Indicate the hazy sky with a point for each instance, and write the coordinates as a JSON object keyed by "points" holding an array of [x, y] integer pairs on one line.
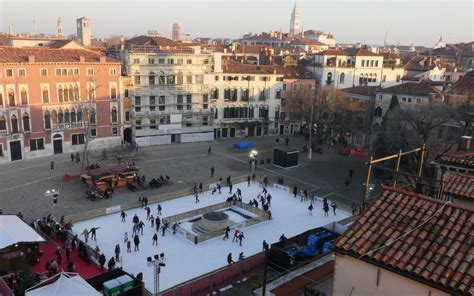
{"points": [[366, 21]]}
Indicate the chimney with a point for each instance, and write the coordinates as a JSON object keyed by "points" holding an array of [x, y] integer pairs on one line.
{"points": [[82, 59], [465, 143], [102, 59], [122, 44], [31, 59], [274, 71]]}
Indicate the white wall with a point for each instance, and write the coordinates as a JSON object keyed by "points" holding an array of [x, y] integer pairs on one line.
{"points": [[197, 137], [155, 140], [355, 277]]}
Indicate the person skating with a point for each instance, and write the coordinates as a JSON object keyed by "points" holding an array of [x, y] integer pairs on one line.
{"points": [[241, 256], [264, 246], [125, 238], [117, 252], [159, 208], [241, 237], [67, 249], [230, 187], [136, 241], [239, 193], [163, 229], [310, 208], [226, 235], [157, 223], [248, 181], [123, 215], [141, 225], [175, 227], [200, 188], [334, 206], [326, 209], [295, 191], [152, 221], [148, 212], [102, 261], [145, 199], [111, 263], [155, 240], [236, 235], [229, 259], [135, 219], [269, 199], [219, 187], [86, 234], [212, 171], [129, 246], [282, 238], [196, 197]]}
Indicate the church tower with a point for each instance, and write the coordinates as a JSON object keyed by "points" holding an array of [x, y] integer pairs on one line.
{"points": [[295, 28], [60, 28], [83, 31]]}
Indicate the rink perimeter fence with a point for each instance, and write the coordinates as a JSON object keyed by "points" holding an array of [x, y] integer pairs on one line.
{"points": [[218, 279]]}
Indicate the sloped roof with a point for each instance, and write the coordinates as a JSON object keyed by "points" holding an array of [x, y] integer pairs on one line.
{"points": [[288, 72], [305, 41], [460, 185], [13, 230], [149, 40], [418, 236], [363, 90], [349, 52], [422, 88], [10, 54], [65, 285], [463, 159], [465, 85]]}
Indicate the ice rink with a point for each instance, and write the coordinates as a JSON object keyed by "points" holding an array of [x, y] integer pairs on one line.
{"points": [[185, 260]]}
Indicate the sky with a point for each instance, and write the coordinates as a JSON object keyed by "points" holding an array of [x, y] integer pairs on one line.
{"points": [[421, 22]]}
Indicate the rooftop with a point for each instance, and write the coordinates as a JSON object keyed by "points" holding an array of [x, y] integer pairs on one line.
{"points": [[418, 236], [422, 88], [463, 159], [363, 90], [465, 85], [287, 72], [460, 186], [349, 52]]}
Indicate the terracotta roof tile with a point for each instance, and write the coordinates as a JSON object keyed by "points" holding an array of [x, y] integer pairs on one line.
{"points": [[463, 159], [418, 245], [460, 186], [422, 88]]}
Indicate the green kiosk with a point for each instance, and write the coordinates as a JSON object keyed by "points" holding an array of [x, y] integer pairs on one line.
{"points": [[285, 157]]}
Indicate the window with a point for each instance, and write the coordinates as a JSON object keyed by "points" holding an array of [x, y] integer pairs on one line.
{"points": [[77, 139], [189, 79], [380, 97], [179, 79], [14, 122], [418, 100], [199, 79], [114, 131], [262, 95], [138, 124], [45, 95], [136, 61], [1, 100], [93, 132], [126, 92], [179, 61], [372, 63], [9, 72], [151, 79], [227, 94], [11, 98], [342, 77], [329, 76], [90, 72], [278, 94], [189, 61], [216, 78], [114, 114], [60, 93], [64, 72], [92, 116], [161, 61], [24, 97], [127, 116], [151, 61], [170, 79], [76, 72], [378, 112], [205, 120], [404, 99], [112, 72], [205, 101], [244, 95], [362, 63], [136, 80], [71, 93], [47, 120], [65, 94], [26, 122], [3, 123], [152, 103], [36, 144], [138, 101], [153, 124], [179, 102], [410, 100], [73, 115], [189, 102], [171, 61], [76, 93], [43, 72], [376, 63], [384, 78], [162, 79], [284, 86], [398, 78]]}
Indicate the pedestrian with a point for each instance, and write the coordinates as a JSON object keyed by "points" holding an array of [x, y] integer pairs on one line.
{"points": [[163, 229], [196, 196], [102, 261], [72, 157], [136, 241], [159, 208], [334, 207], [125, 239], [264, 246], [59, 256], [52, 165], [152, 220], [351, 172], [86, 234], [248, 180], [175, 227], [67, 249], [241, 256], [212, 171], [93, 233], [287, 141], [111, 263], [200, 188], [129, 246], [146, 201], [347, 182], [269, 162], [117, 252], [209, 151], [229, 259], [269, 199], [157, 223], [236, 235], [78, 157], [239, 193], [148, 212], [155, 240], [241, 237], [295, 190], [282, 238], [219, 187], [230, 188], [226, 235], [123, 215], [326, 209], [141, 225], [135, 219], [310, 208], [354, 209]]}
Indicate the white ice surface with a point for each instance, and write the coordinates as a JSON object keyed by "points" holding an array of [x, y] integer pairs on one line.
{"points": [[184, 260]]}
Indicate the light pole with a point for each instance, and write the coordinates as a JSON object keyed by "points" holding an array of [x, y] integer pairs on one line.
{"points": [[54, 193], [157, 264], [253, 155]]}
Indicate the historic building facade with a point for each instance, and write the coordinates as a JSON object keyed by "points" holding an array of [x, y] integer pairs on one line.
{"points": [[55, 100]]}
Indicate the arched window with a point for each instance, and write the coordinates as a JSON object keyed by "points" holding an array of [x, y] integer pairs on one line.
{"points": [[60, 117], [92, 116], [85, 115], [113, 92], [11, 98], [1, 100], [277, 112], [79, 115], [54, 117], [114, 115], [261, 112], [329, 77], [60, 94], [71, 93], [3, 123], [65, 94], [378, 112], [216, 113], [26, 122], [73, 115], [24, 97], [45, 95], [67, 117], [14, 121], [342, 77], [47, 120], [76, 93], [226, 112], [251, 111]]}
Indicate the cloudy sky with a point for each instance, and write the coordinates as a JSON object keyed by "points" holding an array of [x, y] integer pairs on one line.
{"points": [[367, 21]]}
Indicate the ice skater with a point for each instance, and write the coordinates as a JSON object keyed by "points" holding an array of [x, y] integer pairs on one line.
{"points": [[248, 181], [236, 235], [155, 240], [264, 246], [135, 219], [136, 241], [93, 233], [157, 223], [230, 187], [226, 235], [86, 234], [152, 220], [175, 227], [196, 196], [159, 208], [229, 259], [123, 215], [129, 246], [295, 191], [310, 209], [239, 193], [326, 209], [117, 252], [334, 207], [148, 212], [141, 225], [241, 237], [219, 187], [125, 239]]}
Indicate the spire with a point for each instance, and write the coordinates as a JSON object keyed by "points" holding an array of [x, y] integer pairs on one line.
{"points": [[10, 29], [60, 28], [34, 29], [295, 20]]}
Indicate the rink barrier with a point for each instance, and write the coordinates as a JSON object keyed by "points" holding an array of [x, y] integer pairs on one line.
{"points": [[219, 278]]}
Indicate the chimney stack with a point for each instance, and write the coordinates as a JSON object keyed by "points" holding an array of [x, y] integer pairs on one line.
{"points": [[102, 59], [31, 59], [465, 143], [82, 59]]}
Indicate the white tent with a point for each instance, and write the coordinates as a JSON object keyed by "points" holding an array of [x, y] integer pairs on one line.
{"points": [[66, 285], [13, 230]]}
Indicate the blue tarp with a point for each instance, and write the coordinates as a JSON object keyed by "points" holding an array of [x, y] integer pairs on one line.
{"points": [[243, 145]]}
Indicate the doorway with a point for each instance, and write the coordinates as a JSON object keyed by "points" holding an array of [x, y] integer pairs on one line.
{"points": [[127, 135], [57, 144], [282, 129], [232, 132], [15, 150], [251, 131], [259, 131]]}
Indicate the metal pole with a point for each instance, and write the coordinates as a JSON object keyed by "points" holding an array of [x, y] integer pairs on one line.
{"points": [[157, 277], [367, 181], [397, 168], [422, 157], [310, 154], [264, 287]]}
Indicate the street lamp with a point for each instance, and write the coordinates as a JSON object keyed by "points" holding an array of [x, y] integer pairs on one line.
{"points": [[54, 193], [253, 156], [368, 189], [157, 264]]}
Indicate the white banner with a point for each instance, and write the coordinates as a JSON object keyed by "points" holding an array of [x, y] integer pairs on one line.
{"points": [[275, 185], [113, 209]]}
